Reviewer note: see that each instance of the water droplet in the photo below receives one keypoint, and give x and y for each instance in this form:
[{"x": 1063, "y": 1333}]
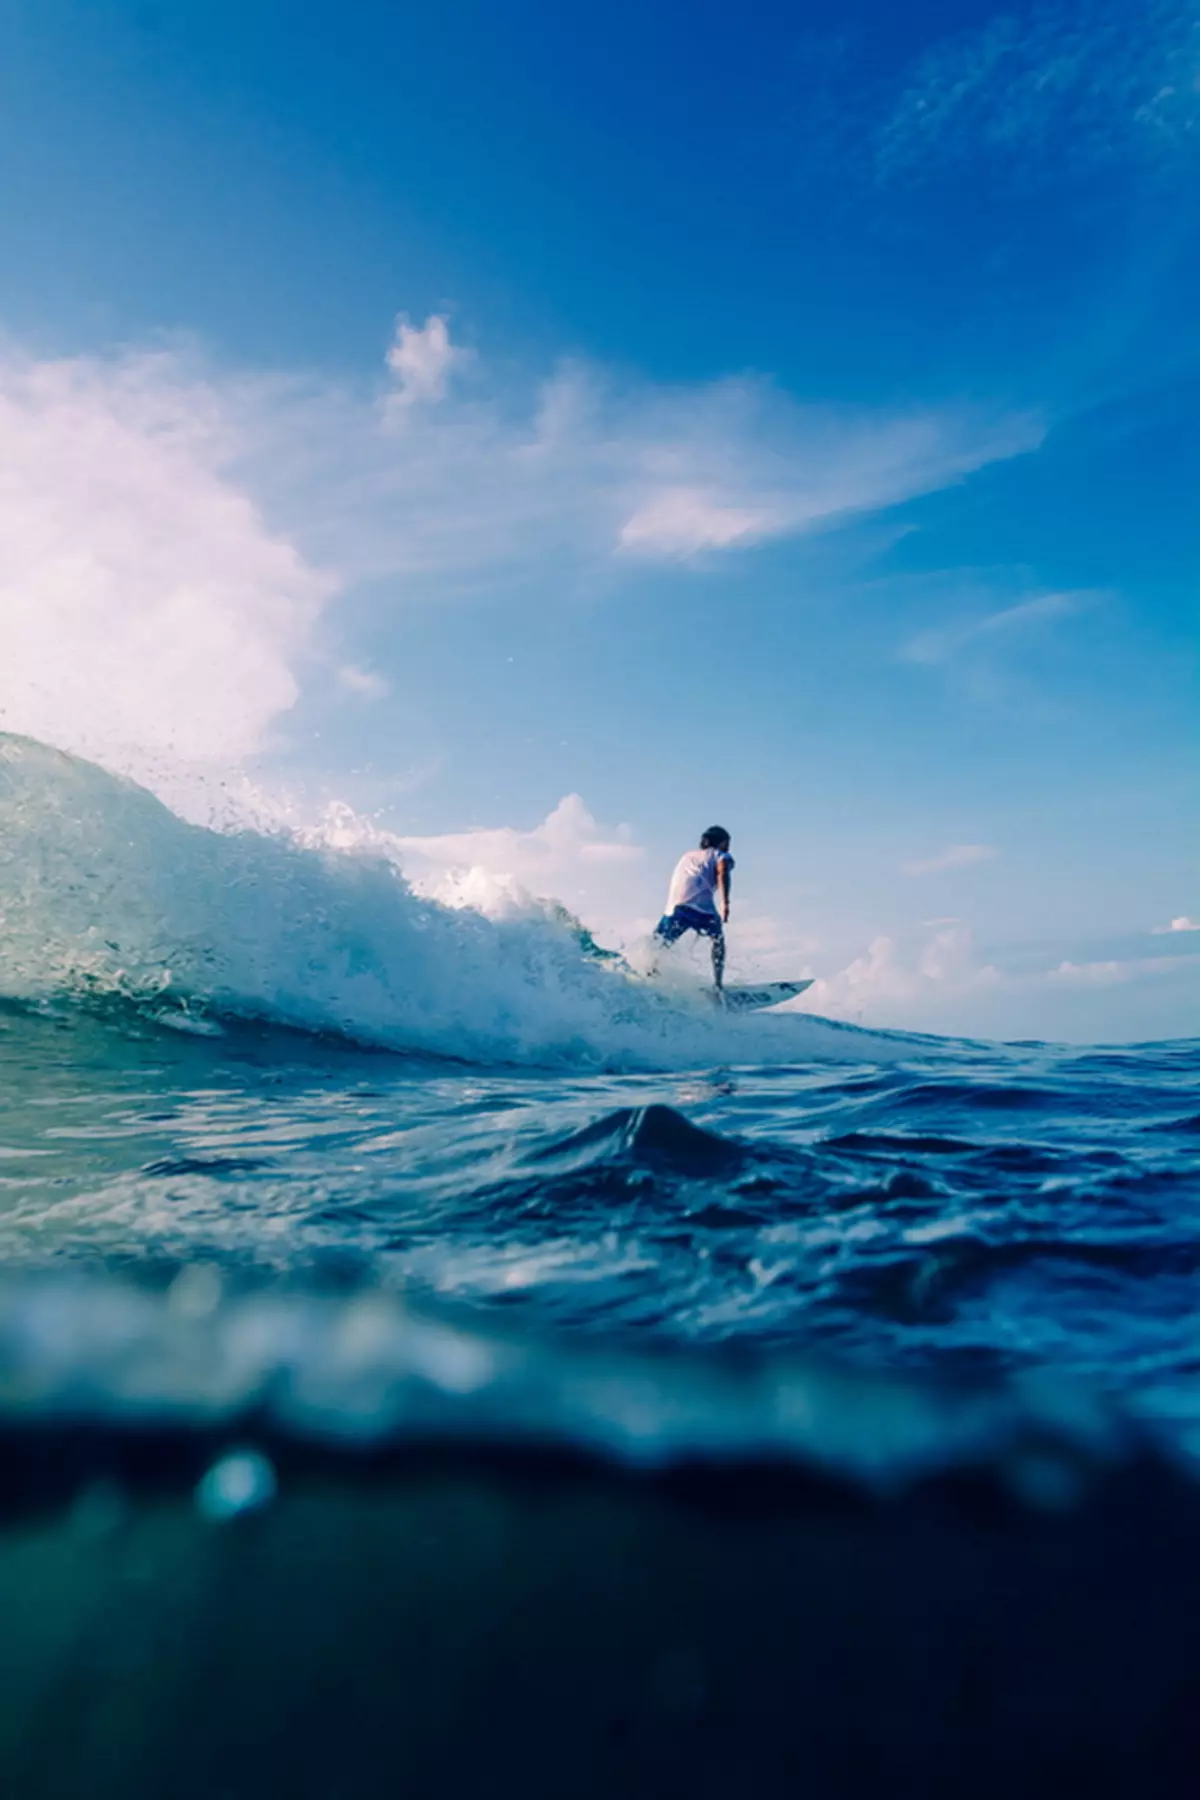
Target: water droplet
[{"x": 239, "y": 1483}]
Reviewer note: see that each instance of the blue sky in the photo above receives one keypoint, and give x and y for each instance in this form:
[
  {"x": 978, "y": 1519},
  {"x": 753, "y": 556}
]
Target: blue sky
[{"x": 444, "y": 411}]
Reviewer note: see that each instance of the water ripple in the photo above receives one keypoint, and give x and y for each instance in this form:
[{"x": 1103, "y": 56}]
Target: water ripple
[{"x": 981, "y": 1208}]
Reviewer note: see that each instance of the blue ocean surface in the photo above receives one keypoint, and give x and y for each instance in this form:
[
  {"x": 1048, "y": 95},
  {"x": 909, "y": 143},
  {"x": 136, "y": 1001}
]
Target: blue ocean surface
[{"x": 276, "y": 1062}]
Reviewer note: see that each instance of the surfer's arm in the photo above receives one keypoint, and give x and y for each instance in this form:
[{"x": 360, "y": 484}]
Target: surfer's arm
[{"x": 723, "y": 887}]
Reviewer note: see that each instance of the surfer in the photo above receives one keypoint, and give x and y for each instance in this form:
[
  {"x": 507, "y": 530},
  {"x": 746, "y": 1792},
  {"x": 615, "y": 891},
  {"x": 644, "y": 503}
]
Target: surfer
[{"x": 698, "y": 899}]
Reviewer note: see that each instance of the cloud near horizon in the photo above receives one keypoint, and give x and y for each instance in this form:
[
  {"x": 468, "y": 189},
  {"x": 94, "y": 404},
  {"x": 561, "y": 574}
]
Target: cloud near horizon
[
  {"x": 939, "y": 980},
  {"x": 568, "y": 857},
  {"x": 893, "y": 979},
  {"x": 174, "y": 536}
]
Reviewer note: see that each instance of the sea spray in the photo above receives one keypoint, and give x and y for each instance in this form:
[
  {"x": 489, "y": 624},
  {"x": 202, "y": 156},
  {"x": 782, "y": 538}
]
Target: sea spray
[{"x": 105, "y": 892}]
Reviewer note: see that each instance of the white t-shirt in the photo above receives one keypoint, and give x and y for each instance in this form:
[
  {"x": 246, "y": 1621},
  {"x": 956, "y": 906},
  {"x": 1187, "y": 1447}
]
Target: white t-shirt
[{"x": 694, "y": 882}]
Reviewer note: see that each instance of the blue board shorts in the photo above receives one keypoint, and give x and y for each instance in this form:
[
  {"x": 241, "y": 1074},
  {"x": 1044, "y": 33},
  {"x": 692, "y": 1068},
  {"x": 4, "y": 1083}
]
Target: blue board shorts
[{"x": 672, "y": 925}]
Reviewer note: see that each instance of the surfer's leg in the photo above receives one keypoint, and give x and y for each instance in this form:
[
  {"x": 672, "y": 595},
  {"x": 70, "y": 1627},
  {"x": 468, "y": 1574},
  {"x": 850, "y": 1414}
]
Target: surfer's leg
[
  {"x": 718, "y": 959},
  {"x": 668, "y": 931},
  {"x": 670, "y": 928}
]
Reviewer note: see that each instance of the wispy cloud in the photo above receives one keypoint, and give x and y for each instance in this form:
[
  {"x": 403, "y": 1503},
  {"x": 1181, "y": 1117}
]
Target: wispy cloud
[
  {"x": 1182, "y": 923},
  {"x": 943, "y": 644},
  {"x": 582, "y": 468},
  {"x": 1112, "y": 972},
  {"x": 421, "y": 359},
  {"x": 367, "y": 684},
  {"x": 681, "y": 521},
  {"x": 739, "y": 462},
  {"x": 955, "y": 856},
  {"x": 173, "y": 536},
  {"x": 1052, "y": 88}
]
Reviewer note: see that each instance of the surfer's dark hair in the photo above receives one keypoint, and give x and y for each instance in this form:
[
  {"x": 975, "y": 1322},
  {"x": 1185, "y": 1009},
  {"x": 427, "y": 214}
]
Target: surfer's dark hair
[{"x": 715, "y": 838}]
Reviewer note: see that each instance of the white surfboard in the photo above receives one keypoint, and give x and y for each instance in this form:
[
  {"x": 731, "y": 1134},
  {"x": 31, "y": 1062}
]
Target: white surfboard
[{"x": 767, "y": 993}]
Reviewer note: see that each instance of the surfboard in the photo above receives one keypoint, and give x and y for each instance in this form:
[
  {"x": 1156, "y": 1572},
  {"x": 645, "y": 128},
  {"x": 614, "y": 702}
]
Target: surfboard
[
  {"x": 733, "y": 997},
  {"x": 752, "y": 999}
]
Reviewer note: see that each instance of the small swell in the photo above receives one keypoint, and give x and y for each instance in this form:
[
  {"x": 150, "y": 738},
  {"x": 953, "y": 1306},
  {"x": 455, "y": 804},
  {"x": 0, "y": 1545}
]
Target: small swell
[{"x": 651, "y": 1137}]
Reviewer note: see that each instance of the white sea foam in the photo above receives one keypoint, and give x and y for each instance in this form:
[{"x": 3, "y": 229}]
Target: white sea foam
[{"x": 105, "y": 891}]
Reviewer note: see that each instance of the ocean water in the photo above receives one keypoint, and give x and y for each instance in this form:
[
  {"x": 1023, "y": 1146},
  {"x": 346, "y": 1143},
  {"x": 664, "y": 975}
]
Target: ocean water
[
  {"x": 431, "y": 1361},
  {"x": 273, "y": 1063}
]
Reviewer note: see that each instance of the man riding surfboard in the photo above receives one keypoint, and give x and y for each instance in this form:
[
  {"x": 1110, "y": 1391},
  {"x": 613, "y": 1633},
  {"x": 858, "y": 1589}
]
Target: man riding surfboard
[{"x": 698, "y": 899}]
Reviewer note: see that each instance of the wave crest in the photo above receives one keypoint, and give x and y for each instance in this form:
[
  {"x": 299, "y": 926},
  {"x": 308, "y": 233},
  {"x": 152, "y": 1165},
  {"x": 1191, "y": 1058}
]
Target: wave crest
[{"x": 105, "y": 891}]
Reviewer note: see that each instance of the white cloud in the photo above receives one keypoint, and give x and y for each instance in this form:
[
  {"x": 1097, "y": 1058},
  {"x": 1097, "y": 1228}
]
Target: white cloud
[
  {"x": 681, "y": 521},
  {"x": 955, "y": 856},
  {"x": 945, "y": 643},
  {"x": 366, "y": 684},
  {"x": 896, "y": 982},
  {"x": 568, "y": 857},
  {"x": 1183, "y": 923},
  {"x": 1112, "y": 972},
  {"x": 145, "y": 605},
  {"x": 566, "y": 836},
  {"x": 938, "y": 980},
  {"x": 172, "y": 535},
  {"x": 421, "y": 358}
]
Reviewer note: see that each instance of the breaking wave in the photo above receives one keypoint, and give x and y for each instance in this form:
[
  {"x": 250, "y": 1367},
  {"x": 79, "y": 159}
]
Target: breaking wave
[{"x": 107, "y": 895}]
